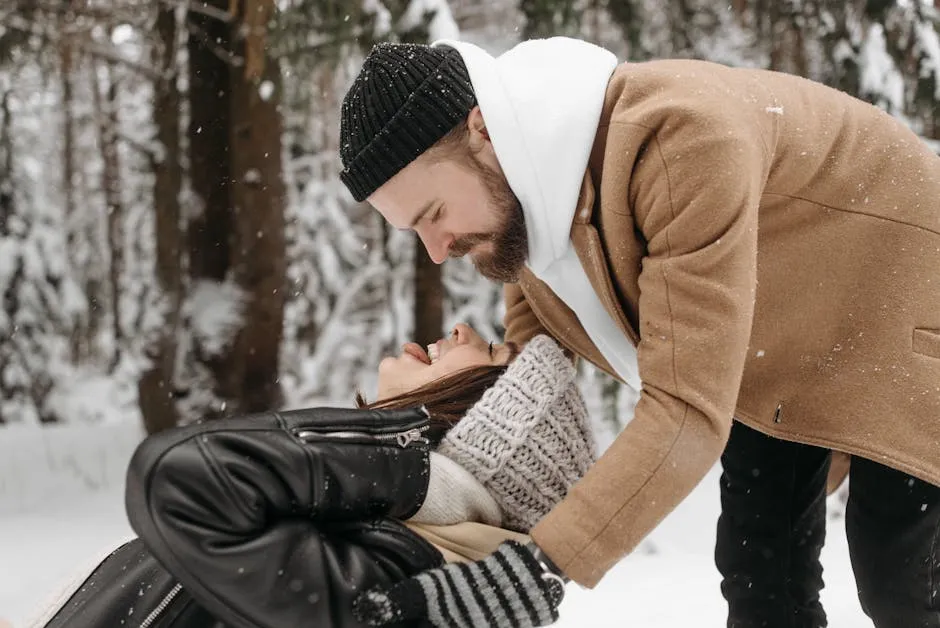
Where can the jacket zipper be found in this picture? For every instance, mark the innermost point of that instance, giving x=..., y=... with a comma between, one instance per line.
x=155, y=613
x=403, y=439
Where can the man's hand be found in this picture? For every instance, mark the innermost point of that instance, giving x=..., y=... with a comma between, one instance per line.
x=508, y=589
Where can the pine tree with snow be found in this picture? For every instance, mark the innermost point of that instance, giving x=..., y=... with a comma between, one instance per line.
x=40, y=302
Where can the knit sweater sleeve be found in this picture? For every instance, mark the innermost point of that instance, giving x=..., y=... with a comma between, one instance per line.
x=528, y=439
x=455, y=496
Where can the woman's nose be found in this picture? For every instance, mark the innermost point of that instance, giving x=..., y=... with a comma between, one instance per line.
x=463, y=334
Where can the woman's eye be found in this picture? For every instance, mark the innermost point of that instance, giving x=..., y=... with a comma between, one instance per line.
x=491, y=350
x=437, y=214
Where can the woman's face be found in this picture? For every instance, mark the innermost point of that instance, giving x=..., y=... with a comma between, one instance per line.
x=415, y=366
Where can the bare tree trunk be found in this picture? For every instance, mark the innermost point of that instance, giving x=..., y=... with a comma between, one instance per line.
x=209, y=98
x=107, y=116
x=94, y=263
x=77, y=347
x=429, y=298
x=934, y=132
x=6, y=164
x=762, y=23
x=388, y=289
x=156, y=385
x=787, y=53
x=258, y=198
x=800, y=63
x=779, y=34
x=625, y=15
x=6, y=208
x=235, y=143
x=209, y=229
x=94, y=293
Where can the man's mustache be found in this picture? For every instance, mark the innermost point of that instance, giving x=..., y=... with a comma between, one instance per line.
x=465, y=244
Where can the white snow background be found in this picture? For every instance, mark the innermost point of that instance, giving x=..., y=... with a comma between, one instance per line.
x=61, y=503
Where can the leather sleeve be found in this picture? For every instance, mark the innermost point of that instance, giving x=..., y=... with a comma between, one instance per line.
x=267, y=527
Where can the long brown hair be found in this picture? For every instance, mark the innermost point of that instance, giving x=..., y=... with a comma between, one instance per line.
x=446, y=399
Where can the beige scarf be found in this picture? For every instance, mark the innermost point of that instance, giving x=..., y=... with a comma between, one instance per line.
x=467, y=541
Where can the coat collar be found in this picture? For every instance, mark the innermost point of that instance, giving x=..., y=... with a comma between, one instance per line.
x=555, y=315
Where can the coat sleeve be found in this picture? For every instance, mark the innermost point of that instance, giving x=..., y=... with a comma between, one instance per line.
x=520, y=321
x=695, y=192
x=265, y=529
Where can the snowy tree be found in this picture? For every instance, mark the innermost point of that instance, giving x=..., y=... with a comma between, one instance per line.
x=39, y=299
x=357, y=288
x=174, y=232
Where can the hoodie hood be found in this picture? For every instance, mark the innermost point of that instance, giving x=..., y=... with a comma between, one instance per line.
x=542, y=101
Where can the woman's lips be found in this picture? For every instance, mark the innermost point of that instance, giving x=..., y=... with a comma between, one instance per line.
x=414, y=350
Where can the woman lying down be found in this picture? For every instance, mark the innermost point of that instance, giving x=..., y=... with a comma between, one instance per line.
x=281, y=520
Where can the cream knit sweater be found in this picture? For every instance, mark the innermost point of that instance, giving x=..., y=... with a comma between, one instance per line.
x=518, y=451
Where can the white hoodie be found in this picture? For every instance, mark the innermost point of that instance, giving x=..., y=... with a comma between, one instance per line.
x=541, y=101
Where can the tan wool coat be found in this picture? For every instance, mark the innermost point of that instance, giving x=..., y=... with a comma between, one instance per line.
x=772, y=247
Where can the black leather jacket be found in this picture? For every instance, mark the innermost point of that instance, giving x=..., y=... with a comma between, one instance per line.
x=275, y=520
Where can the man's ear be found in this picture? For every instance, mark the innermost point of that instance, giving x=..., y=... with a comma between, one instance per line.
x=476, y=125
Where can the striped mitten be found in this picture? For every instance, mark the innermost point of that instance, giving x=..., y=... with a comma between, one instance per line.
x=507, y=589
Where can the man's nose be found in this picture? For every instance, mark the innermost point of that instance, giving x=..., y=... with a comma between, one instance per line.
x=437, y=246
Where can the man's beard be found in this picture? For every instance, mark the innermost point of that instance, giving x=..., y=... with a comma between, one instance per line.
x=510, y=242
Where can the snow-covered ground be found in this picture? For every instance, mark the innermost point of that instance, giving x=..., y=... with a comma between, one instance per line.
x=61, y=504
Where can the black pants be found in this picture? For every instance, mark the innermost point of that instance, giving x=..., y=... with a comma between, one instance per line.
x=773, y=525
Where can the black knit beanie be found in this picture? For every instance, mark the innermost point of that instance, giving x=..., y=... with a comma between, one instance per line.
x=406, y=98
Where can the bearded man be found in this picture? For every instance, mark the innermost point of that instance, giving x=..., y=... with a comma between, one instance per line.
x=756, y=253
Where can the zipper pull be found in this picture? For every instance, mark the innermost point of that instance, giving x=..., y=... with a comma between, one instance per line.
x=411, y=436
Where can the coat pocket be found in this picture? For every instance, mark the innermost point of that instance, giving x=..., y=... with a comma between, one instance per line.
x=927, y=342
